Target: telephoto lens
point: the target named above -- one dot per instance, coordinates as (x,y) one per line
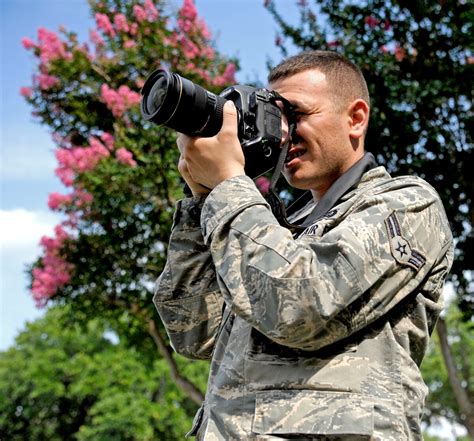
(175,102)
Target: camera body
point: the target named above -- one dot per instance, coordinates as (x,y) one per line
(259,127)
(174,101)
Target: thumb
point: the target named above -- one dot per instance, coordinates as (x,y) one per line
(230,114)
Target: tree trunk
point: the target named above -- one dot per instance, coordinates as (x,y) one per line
(183,383)
(186,386)
(462,399)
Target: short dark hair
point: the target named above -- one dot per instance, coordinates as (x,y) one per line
(344,78)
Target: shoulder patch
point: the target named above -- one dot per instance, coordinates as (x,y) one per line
(399,246)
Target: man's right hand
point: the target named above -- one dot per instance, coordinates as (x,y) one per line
(196,189)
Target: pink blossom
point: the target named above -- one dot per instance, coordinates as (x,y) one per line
(28,43)
(82,198)
(103,23)
(78,160)
(27,92)
(139,13)
(96,39)
(190,50)
(129,44)
(371,21)
(227,77)
(263,184)
(108,140)
(119,101)
(185,26)
(65,174)
(151,10)
(204,74)
(125,157)
(98,148)
(57,200)
(134,29)
(51,47)
(203,29)
(172,40)
(387,25)
(55,271)
(188,10)
(120,22)
(46,81)
(188,22)
(400,53)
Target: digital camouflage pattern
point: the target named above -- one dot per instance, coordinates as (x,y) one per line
(315,337)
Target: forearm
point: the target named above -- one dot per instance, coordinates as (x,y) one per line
(187,296)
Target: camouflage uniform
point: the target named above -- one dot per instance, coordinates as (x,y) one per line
(314,337)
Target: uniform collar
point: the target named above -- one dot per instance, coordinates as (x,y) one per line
(340,187)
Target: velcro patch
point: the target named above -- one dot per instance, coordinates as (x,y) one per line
(399,246)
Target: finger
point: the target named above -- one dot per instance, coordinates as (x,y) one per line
(181,141)
(230,114)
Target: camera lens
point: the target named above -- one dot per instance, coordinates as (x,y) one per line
(175,102)
(157,94)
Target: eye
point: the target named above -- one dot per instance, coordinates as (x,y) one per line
(298,115)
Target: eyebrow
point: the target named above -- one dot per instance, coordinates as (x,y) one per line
(298,106)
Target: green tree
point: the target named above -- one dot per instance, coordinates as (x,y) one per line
(69,381)
(119,170)
(441,401)
(418,60)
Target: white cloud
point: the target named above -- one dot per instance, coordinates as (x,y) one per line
(21,230)
(20,233)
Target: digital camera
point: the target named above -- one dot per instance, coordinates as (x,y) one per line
(173,101)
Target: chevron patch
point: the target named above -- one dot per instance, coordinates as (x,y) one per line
(399,246)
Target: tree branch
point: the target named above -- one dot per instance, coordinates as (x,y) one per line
(186,386)
(460,394)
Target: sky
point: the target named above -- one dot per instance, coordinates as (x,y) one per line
(241,28)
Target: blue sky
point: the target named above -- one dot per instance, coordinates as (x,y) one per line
(242,28)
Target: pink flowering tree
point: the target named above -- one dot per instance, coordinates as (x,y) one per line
(418,60)
(118,171)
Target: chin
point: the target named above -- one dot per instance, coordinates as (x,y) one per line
(298,183)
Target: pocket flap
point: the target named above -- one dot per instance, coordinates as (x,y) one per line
(313,413)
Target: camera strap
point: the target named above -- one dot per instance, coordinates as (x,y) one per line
(276,204)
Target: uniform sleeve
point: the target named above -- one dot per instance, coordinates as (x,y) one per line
(187,297)
(313,291)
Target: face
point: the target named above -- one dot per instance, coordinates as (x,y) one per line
(323,148)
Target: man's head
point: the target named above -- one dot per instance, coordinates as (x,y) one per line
(345,80)
(331,101)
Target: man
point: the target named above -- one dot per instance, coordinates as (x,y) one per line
(318,336)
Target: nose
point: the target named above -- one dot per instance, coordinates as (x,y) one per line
(284,128)
(285,131)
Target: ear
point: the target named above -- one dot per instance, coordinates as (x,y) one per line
(358,113)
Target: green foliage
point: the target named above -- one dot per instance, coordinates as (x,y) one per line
(121,179)
(440,401)
(64,381)
(418,60)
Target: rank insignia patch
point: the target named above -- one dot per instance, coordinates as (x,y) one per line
(399,246)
